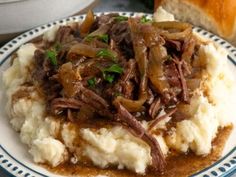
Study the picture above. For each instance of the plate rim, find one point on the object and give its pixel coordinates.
(10, 47)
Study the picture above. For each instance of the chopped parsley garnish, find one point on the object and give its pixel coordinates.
(52, 53)
(105, 53)
(109, 73)
(52, 56)
(121, 18)
(109, 77)
(115, 68)
(144, 19)
(103, 38)
(57, 47)
(91, 82)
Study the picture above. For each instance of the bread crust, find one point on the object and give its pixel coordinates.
(222, 12)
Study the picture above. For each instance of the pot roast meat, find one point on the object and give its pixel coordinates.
(174, 45)
(64, 34)
(59, 104)
(172, 75)
(126, 84)
(158, 160)
(103, 19)
(158, 73)
(121, 34)
(42, 66)
(43, 76)
(90, 97)
(151, 96)
(158, 119)
(130, 70)
(155, 108)
(185, 92)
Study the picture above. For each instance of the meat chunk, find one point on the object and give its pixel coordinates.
(121, 34)
(158, 160)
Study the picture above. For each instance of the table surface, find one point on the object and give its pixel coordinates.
(115, 5)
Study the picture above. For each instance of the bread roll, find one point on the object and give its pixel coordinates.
(218, 16)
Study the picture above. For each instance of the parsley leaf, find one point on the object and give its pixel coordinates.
(144, 19)
(91, 82)
(102, 37)
(57, 47)
(105, 53)
(109, 77)
(109, 73)
(121, 18)
(52, 56)
(115, 68)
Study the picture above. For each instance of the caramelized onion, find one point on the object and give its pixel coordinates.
(188, 50)
(87, 23)
(193, 83)
(183, 112)
(185, 29)
(160, 118)
(101, 30)
(121, 71)
(172, 25)
(84, 50)
(131, 105)
(156, 74)
(140, 51)
(151, 36)
(68, 77)
(178, 35)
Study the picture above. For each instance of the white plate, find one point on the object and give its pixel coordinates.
(14, 158)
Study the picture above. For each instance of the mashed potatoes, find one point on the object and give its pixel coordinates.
(117, 147)
(27, 113)
(210, 109)
(208, 112)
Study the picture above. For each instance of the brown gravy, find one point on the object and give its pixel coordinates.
(177, 165)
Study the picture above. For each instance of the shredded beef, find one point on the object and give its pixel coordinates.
(185, 92)
(64, 34)
(158, 119)
(123, 72)
(172, 75)
(42, 66)
(102, 20)
(154, 108)
(121, 34)
(158, 160)
(58, 104)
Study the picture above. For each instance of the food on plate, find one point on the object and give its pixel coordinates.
(117, 91)
(217, 16)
